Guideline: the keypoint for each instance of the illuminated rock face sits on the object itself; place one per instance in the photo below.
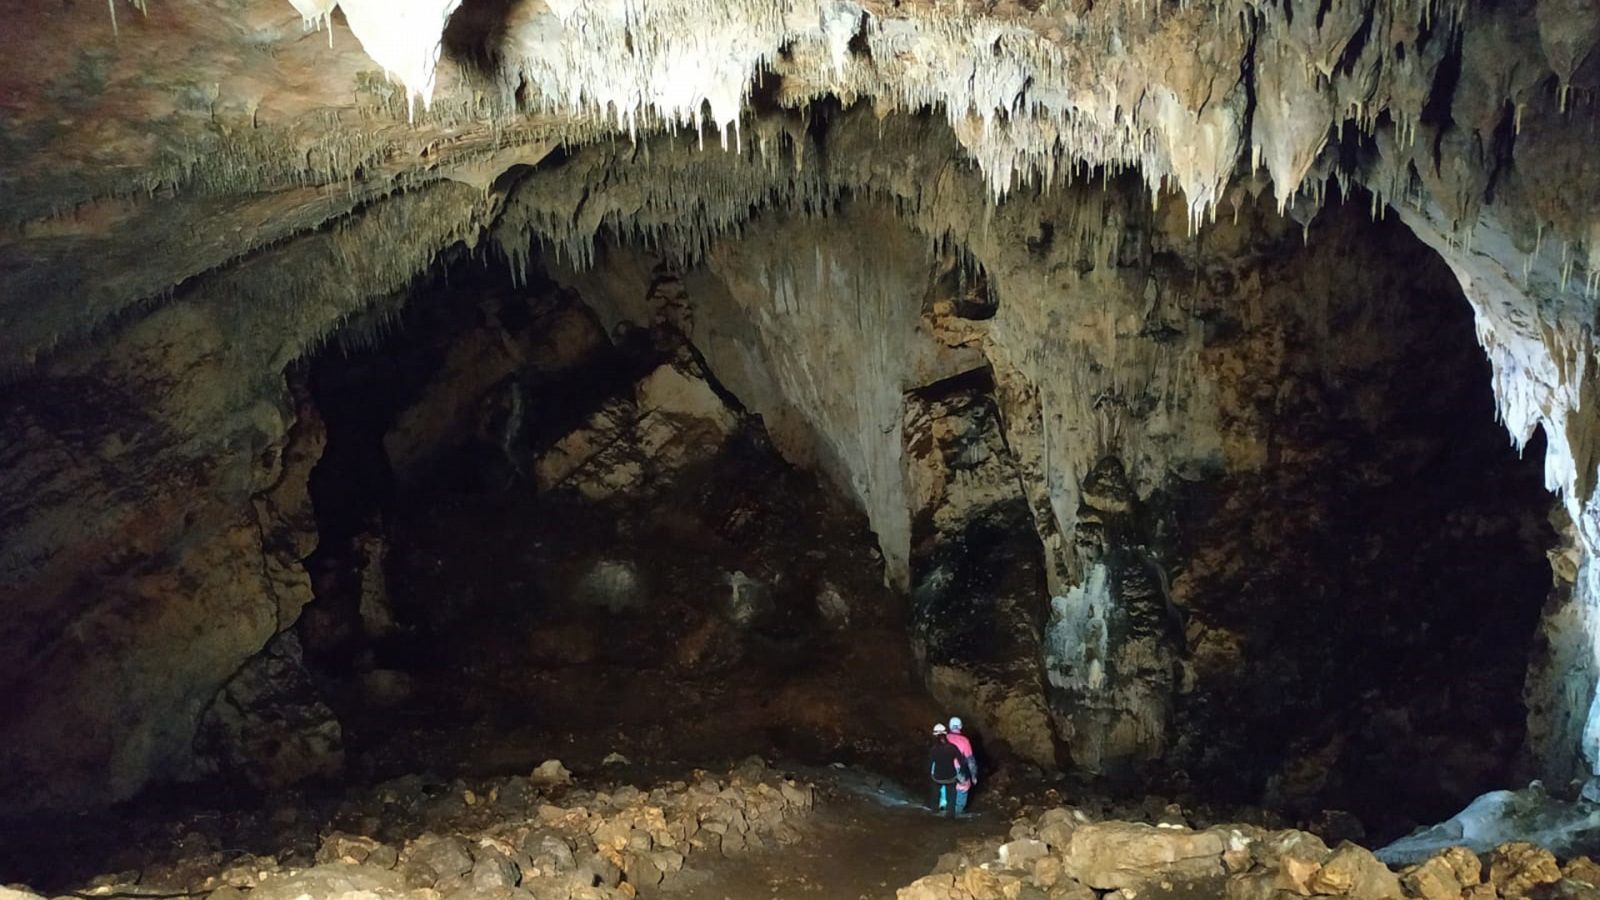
(198, 197)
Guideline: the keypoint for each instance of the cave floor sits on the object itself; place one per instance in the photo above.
(853, 848)
(501, 719)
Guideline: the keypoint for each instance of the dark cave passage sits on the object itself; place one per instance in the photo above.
(585, 551)
(1360, 611)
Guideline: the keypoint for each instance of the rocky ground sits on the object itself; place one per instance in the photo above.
(538, 835)
(1062, 854)
(754, 831)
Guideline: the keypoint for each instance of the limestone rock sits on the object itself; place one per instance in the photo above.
(1070, 890)
(1353, 871)
(1113, 855)
(435, 861)
(1442, 876)
(492, 869)
(932, 887)
(1056, 827)
(344, 882)
(339, 847)
(269, 723)
(1020, 853)
(548, 853)
(1582, 869)
(1518, 868)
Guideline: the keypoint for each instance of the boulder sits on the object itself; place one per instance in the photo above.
(597, 868)
(1582, 870)
(432, 860)
(1353, 871)
(1110, 855)
(1295, 874)
(492, 868)
(1056, 827)
(547, 853)
(989, 884)
(1442, 876)
(551, 772)
(356, 850)
(1256, 886)
(642, 870)
(1020, 853)
(1517, 868)
(1565, 889)
(1272, 849)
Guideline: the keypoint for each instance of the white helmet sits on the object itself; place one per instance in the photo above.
(939, 728)
(955, 724)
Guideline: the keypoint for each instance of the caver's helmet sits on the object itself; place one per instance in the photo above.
(938, 729)
(955, 724)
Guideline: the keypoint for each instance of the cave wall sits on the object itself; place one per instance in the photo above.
(156, 510)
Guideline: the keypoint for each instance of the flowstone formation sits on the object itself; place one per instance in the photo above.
(865, 200)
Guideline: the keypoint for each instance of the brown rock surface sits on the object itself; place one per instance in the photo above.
(1518, 869)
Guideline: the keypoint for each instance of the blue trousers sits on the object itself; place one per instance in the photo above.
(947, 797)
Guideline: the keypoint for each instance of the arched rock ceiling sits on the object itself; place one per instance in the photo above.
(191, 133)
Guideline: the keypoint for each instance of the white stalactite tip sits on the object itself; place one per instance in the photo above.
(402, 36)
(314, 12)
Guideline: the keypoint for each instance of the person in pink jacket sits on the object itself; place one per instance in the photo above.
(964, 746)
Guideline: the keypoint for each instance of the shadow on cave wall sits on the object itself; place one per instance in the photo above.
(1360, 610)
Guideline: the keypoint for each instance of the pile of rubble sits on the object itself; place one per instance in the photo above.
(1062, 855)
(536, 838)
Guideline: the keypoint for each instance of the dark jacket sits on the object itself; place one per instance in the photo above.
(947, 765)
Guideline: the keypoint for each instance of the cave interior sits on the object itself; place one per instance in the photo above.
(1199, 402)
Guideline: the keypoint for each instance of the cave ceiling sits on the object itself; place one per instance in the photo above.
(149, 143)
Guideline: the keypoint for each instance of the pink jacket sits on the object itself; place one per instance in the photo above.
(960, 742)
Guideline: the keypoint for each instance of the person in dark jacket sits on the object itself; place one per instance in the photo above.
(947, 766)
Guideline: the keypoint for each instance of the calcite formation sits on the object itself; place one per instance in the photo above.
(199, 195)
